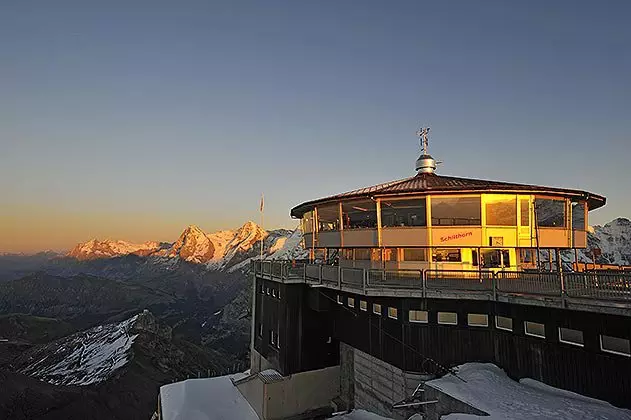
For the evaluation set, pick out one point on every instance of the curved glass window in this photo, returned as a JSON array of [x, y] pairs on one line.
[[307, 222], [359, 214], [403, 213], [456, 211], [549, 212], [502, 212], [578, 216], [329, 218]]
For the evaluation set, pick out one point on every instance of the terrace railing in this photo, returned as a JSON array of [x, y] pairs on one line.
[[608, 286]]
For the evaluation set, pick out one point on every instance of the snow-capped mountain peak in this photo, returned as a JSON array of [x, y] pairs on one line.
[[94, 249], [193, 245]]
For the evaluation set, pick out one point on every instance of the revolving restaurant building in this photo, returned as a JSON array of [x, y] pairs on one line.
[[430, 221]]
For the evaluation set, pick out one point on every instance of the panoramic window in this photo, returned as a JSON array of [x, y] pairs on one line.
[[549, 212], [502, 212], [359, 214], [535, 329], [393, 313], [447, 255], [478, 320], [307, 222], [376, 308], [456, 211], [414, 254], [524, 204], [578, 216], [403, 213], [615, 345], [448, 318], [418, 316], [569, 336], [329, 218], [503, 323]]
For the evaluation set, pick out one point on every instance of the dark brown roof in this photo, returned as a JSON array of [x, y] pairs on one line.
[[438, 184]]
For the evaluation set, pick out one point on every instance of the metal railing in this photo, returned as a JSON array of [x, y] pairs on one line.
[[581, 286]]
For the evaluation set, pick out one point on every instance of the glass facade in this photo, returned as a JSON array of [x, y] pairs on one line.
[[403, 213], [456, 211], [359, 214], [578, 216], [550, 212], [502, 212], [329, 218]]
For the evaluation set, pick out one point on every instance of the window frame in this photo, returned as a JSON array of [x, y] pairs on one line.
[[418, 321], [501, 327], [422, 199], [600, 339], [350, 302], [573, 343], [363, 305], [374, 309], [393, 313], [438, 198], [531, 334], [472, 324], [443, 322]]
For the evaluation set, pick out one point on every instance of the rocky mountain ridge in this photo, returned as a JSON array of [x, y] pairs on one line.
[[217, 250]]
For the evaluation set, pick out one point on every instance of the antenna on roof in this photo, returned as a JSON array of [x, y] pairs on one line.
[[425, 164], [423, 135]]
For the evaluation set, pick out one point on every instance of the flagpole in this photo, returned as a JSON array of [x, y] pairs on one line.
[[262, 208]]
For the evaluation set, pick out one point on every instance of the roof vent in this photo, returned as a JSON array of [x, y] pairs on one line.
[[425, 164]]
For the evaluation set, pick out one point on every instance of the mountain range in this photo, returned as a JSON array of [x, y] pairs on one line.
[[94, 332]]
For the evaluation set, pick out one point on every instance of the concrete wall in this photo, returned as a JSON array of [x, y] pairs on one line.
[[258, 363], [302, 392], [253, 391]]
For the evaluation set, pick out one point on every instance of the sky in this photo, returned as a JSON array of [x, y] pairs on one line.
[[131, 120]]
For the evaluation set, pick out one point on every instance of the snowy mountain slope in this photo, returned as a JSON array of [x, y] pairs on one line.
[[613, 240], [86, 357]]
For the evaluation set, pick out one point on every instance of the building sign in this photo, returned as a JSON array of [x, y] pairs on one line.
[[456, 236], [459, 235]]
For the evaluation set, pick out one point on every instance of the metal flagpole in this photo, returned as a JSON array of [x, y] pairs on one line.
[[261, 208]]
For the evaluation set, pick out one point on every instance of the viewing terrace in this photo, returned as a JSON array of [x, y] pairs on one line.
[[604, 292]]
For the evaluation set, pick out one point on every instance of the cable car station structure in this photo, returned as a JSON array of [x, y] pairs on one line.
[[428, 272]]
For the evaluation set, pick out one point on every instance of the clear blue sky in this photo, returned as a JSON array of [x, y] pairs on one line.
[[134, 119]]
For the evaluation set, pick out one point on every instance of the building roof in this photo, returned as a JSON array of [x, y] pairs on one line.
[[430, 183]]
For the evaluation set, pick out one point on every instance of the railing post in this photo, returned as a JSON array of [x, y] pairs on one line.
[[364, 279], [339, 277], [494, 285], [304, 273], [424, 283], [320, 273], [562, 284]]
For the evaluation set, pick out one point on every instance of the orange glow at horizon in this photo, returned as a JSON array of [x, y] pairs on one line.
[[30, 230]]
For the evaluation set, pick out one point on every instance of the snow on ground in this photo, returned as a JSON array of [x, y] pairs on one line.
[[359, 415], [489, 389], [86, 357], [205, 399]]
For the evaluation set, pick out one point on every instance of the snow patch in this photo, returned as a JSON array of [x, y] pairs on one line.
[[86, 357], [489, 389]]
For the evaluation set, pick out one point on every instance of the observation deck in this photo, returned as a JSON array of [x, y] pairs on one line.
[[601, 292]]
